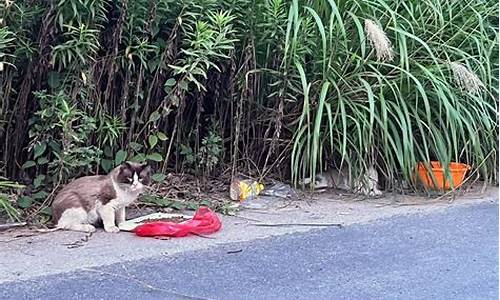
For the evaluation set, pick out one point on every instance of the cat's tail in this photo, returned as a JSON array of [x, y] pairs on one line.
[[11, 225], [4, 227], [45, 230]]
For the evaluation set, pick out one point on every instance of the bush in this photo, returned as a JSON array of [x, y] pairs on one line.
[[287, 85]]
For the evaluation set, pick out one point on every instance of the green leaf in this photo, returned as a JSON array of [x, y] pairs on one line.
[[55, 147], [39, 195], [39, 149], [46, 211], [42, 161], [170, 82], [28, 164], [155, 116], [153, 140], [54, 80], [158, 177], [108, 152], [135, 146], [149, 198], [153, 64], [139, 158], [192, 206], [168, 90], [177, 205], [183, 85], [38, 180], [205, 202], [24, 201], [161, 136], [120, 157], [154, 157], [107, 164]]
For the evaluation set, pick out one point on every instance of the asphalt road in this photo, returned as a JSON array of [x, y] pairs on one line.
[[451, 254]]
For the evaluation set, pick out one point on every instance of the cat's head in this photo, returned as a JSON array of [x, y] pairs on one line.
[[133, 176]]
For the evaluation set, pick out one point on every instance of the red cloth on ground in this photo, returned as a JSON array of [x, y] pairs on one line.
[[204, 221]]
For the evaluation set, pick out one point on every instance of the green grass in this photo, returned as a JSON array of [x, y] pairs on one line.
[[6, 206], [403, 111], [285, 86]]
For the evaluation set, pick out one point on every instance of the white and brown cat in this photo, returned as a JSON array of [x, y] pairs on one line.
[[86, 201], [367, 184]]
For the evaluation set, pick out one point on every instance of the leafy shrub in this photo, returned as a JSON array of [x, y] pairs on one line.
[[289, 84], [7, 198], [59, 133]]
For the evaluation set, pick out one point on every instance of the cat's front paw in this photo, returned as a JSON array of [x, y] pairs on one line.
[[112, 229], [88, 228], [375, 192]]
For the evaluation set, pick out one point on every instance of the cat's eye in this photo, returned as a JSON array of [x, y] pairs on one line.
[[130, 179], [140, 179]]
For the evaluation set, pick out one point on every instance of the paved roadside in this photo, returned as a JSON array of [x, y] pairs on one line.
[[446, 254], [60, 252]]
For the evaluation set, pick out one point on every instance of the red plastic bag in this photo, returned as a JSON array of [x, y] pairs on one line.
[[204, 222]]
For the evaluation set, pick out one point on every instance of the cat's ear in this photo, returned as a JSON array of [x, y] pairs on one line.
[[146, 168], [126, 165]]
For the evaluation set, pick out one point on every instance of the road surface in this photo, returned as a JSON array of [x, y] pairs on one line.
[[448, 254]]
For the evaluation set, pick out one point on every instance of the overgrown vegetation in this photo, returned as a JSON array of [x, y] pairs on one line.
[[263, 87], [7, 198]]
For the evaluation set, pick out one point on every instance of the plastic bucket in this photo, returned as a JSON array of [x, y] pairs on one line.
[[457, 172]]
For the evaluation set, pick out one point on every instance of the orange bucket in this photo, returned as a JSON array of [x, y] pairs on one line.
[[457, 172]]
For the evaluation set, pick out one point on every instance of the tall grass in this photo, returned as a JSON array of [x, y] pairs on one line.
[[266, 87], [417, 82], [7, 206]]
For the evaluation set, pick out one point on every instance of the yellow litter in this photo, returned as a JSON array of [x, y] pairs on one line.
[[243, 189]]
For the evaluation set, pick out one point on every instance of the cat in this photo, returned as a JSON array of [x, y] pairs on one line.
[[87, 200], [340, 179]]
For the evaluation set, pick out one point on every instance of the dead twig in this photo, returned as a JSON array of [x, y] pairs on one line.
[[204, 236], [163, 238], [247, 219], [47, 200], [80, 242], [18, 237], [4, 227], [234, 251]]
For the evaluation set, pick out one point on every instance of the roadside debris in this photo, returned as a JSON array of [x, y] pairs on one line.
[[234, 251], [261, 202], [244, 189], [280, 190], [203, 222], [253, 195], [297, 224], [131, 224], [79, 243]]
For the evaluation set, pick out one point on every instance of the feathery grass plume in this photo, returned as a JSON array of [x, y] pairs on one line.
[[465, 79], [379, 40]]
